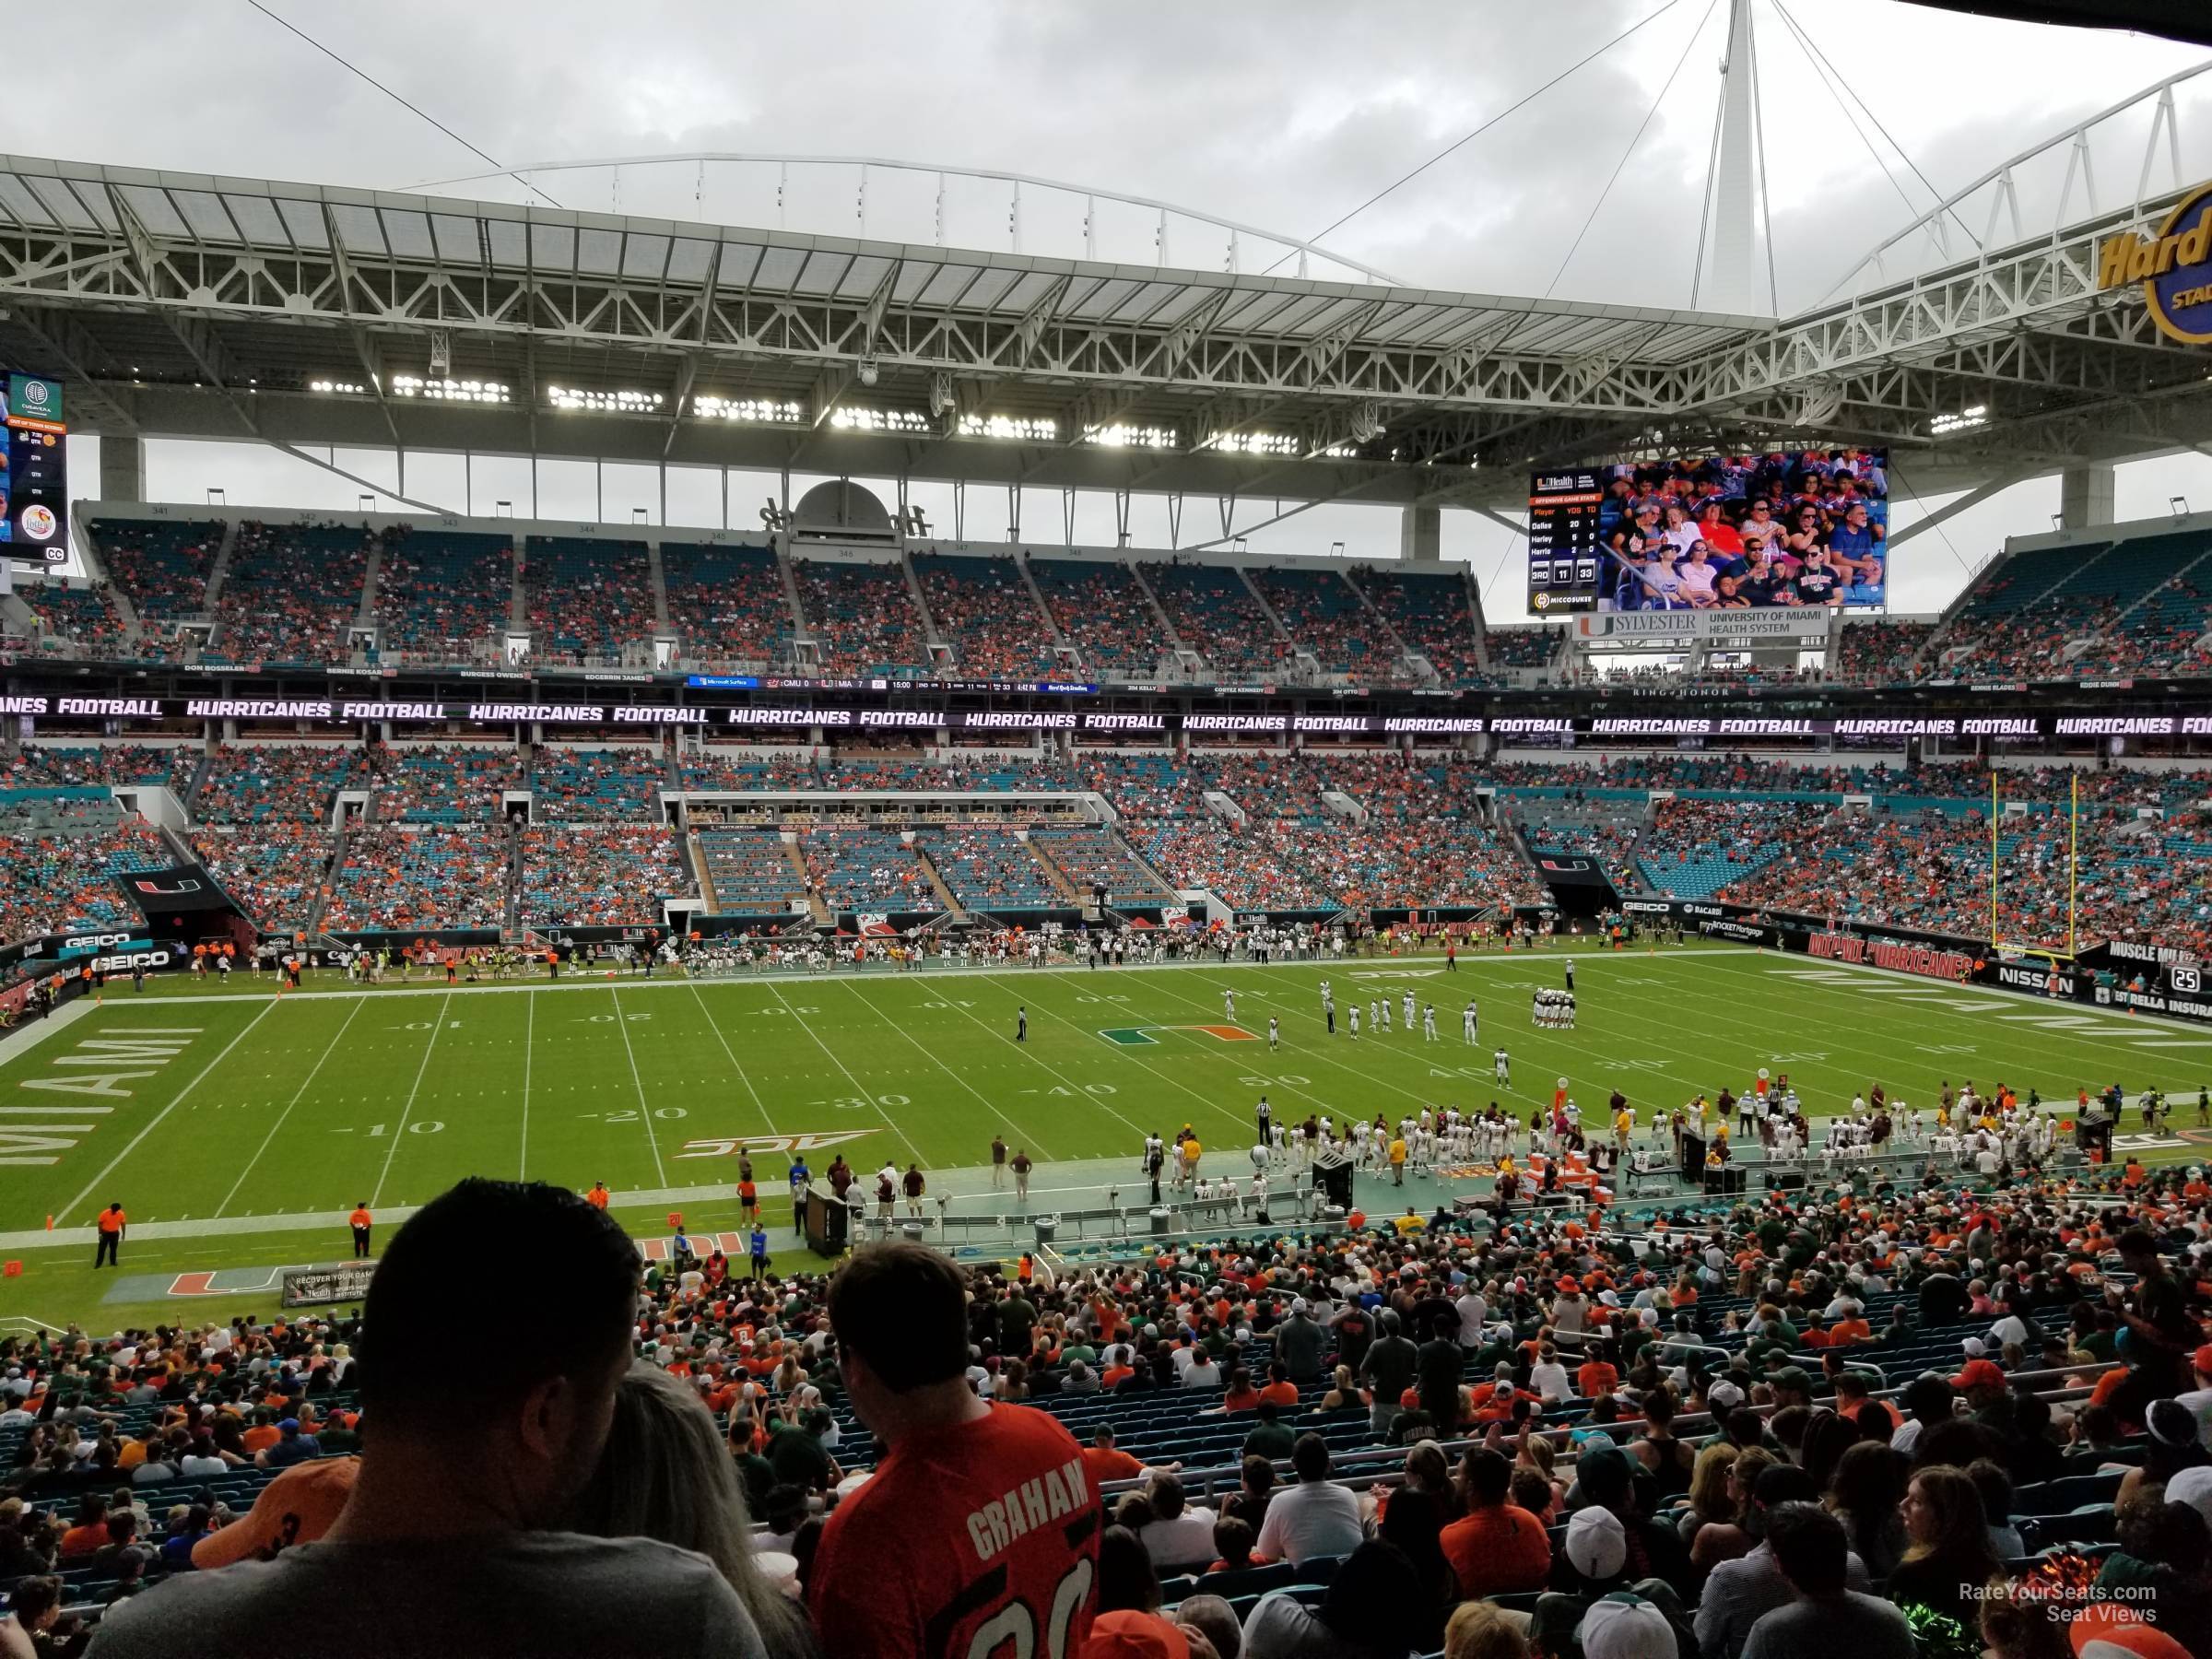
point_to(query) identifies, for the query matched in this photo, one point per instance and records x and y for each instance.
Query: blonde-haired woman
(666, 1475)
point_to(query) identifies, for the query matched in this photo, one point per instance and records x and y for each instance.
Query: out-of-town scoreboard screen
(34, 471)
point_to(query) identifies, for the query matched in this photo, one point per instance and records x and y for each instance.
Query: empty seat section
(726, 602)
(1214, 612)
(291, 594)
(984, 611)
(443, 594)
(594, 785)
(586, 601)
(1320, 611)
(751, 872)
(600, 875)
(1431, 613)
(412, 880)
(864, 619)
(1099, 606)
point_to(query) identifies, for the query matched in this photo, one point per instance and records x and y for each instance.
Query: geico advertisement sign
(154, 957)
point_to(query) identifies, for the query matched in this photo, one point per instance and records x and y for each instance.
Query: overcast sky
(1285, 117)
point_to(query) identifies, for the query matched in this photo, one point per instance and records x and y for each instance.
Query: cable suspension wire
(1896, 475)
(1462, 143)
(1642, 127)
(1904, 154)
(1759, 146)
(1712, 174)
(355, 69)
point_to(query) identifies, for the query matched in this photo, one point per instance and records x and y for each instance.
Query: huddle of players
(1554, 1008)
(1378, 1017)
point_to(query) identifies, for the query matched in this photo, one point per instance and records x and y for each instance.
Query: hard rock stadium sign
(2174, 268)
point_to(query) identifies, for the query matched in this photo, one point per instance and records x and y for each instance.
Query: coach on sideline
(478, 1434)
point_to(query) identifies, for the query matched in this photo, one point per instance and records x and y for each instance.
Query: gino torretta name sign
(2174, 268)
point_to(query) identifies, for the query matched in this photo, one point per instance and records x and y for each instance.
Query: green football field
(235, 1127)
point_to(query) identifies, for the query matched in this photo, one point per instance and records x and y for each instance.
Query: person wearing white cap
(1827, 1619)
(1623, 1626)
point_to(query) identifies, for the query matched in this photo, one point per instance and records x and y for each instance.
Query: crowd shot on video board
(1723, 532)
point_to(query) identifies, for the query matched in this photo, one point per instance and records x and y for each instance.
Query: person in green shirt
(1270, 1437)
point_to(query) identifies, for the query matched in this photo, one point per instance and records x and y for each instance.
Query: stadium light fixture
(342, 388)
(502, 510)
(367, 503)
(2058, 521)
(623, 402)
(1134, 436)
(438, 390)
(216, 498)
(752, 411)
(870, 372)
(1254, 443)
(2179, 506)
(1973, 415)
(851, 417)
(1021, 429)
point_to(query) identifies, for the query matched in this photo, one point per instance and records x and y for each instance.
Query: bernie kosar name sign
(2174, 268)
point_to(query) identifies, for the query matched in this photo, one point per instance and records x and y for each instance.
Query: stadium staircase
(219, 571)
(816, 906)
(372, 574)
(657, 582)
(311, 923)
(790, 578)
(512, 910)
(700, 877)
(1160, 613)
(933, 642)
(1072, 896)
(518, 594)
(952, 906)
(191, 785)
(1274, 621)
(1423, 669)
(1065, 646)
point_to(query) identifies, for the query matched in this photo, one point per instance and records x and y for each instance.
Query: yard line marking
(93, 1185)
(529, 1029)
(930, 1055)
(1204, 1101)
(287, 1113)
(889, 1122)
(644, 1110)
(384, 1174)
(716, 1028)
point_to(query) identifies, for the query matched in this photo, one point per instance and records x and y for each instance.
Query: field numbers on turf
(953, 1003)
(855, 1104)
(1807, 1059)
(427, 1025)
(420, 1126)
(610, 1018)
(790, 1008)
(1062, 1089)
(1946, 1048)
(1288, 1080)
(1086, 997)
(631, 1116)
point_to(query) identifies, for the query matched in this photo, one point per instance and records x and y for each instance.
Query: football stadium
(763, 897)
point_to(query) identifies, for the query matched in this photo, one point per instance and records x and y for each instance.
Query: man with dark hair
(478, 1432)
(1739, 1593)
(1314, 1517)
(1497, 1547)
(979, 1527)
(1827, 1617)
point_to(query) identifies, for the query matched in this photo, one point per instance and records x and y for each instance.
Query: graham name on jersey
(1058, 1492)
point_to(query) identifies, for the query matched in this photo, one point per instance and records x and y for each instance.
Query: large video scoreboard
(1563, 542)
(34, 471)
